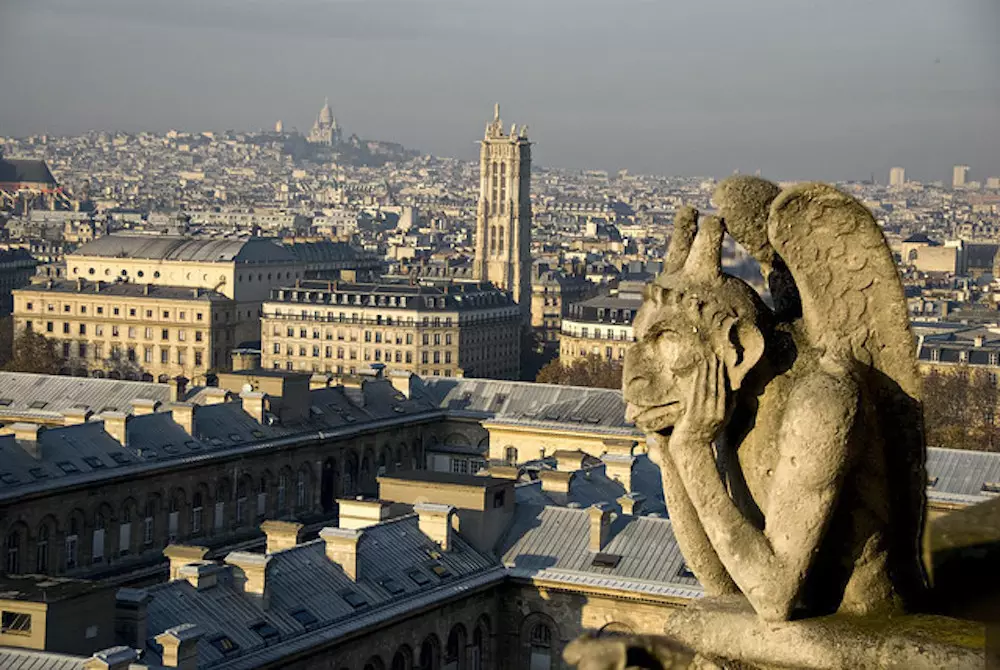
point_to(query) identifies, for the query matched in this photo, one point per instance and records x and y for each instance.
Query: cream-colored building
(601, 326)
(450, 330)
(503, 219)
(165, 305)
(130, 330)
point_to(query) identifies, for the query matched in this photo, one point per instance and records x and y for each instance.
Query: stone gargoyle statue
(790, 439)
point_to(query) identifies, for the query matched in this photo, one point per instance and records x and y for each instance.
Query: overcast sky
(798, 88)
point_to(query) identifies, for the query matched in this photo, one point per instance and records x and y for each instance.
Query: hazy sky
(798, 88)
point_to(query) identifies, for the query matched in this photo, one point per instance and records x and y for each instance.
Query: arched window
(42, 550)
(510, 456)
(13, 553)
(282, 486)
(241, 502)
(430, 654)
(403, 660)
(454, 653)
(300, 490)
(541, 647)
(72, 540)
(197, 512)
(374, 663)
(500, 239)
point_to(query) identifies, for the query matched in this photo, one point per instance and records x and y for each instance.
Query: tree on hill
(592, 371)
(33, 352)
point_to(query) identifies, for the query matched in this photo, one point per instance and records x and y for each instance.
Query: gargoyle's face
(660, 365)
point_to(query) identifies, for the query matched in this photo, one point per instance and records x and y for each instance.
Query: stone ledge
(728, 629)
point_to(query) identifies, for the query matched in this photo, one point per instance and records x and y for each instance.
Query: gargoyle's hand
(705, 406)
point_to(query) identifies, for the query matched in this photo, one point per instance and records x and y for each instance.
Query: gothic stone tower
(503, 220)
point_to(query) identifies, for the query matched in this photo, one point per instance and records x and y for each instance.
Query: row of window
(599, 334)
(67, 308)
(132, 332)
(95, 350)
(341, 369)
(368, 354)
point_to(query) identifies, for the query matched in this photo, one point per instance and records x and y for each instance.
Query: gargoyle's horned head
(691, 311)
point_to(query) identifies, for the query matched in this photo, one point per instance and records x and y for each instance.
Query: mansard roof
(174, 248)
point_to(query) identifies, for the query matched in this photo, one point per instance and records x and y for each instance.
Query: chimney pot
(76, 416)
(281, 535)
(180, 646)
(255, 404)
(555, 481)
(250, 571)
(600, 526)
(180, 555)
(113, 658)
(435, 522)
(115, 425)
(342, 548)
(183, 415)
(631, 503)
(144, 406)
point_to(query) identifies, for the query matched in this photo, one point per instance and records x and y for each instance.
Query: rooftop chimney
(180, 646)
(97, 286)
(255, 404)
(403, 381)
(250, 572)
(178, 388)
(600, 526)
(435, 522)
(619, 468)
(631, 503)
(181, 555)
(76, 416)
(200, 575)
(130, 616)
(114, 658)
(554, 481)
(281, 535)
(214, 396)
(183, 415)
(342, 548)
(115, 426)
(319, 381)
(354, 514)
(143, 406)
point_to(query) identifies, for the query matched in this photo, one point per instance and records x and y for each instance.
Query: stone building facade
(450, 330)
(600, 326)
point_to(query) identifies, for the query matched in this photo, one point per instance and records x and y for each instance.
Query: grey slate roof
(172, 248)
(527, 403)
(61, 393)
(966, 477)
(29, 659)
(86, 453)
(129, 290)
(304, 577)
(552, 543)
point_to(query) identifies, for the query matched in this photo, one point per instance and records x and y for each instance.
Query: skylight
(418, 577)
(93, 461)
(224, 644)
(303, 616)
(439, 570)
(605, 560)
(266, 631)
(392, 586)
(354, 599)
(68, 467)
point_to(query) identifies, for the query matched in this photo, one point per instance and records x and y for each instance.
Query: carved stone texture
(790, 441)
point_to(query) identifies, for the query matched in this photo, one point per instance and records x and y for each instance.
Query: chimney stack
(183, 415)
(75, 416)
(435, 522)
(180, 646)
(619, 468)
(631, 503)
(250, 573)
(255, 404)
(114, 658)
(214, 396)
(281, 535)
(600, 526)
(200, 575)
(178, 388)
(342, 548)
(115, 426)
(402, 381)
(144, 406)
(555, 481)
(180, 555)
(27, 435)
(130, 616)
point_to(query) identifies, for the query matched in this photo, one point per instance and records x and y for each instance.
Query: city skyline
(647, 95)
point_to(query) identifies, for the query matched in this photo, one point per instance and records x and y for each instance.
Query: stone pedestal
(728, 630)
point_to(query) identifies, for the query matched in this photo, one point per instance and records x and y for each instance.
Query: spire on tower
(496, 111)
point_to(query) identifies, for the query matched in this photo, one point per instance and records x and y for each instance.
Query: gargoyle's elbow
(773, 610)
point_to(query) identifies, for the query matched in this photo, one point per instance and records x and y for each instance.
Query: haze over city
(818, 91)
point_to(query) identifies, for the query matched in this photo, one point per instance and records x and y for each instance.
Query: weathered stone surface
(728, 628)
(771, 428)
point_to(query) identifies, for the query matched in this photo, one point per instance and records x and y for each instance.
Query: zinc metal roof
(557, 539)
(527, 403)
(25, 170)
(303, 577)
(30, 659)
(593, 485)
(956, 472)
(173, 248)
(61, 393)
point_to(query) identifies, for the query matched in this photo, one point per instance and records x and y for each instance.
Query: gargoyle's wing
(853, 307)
